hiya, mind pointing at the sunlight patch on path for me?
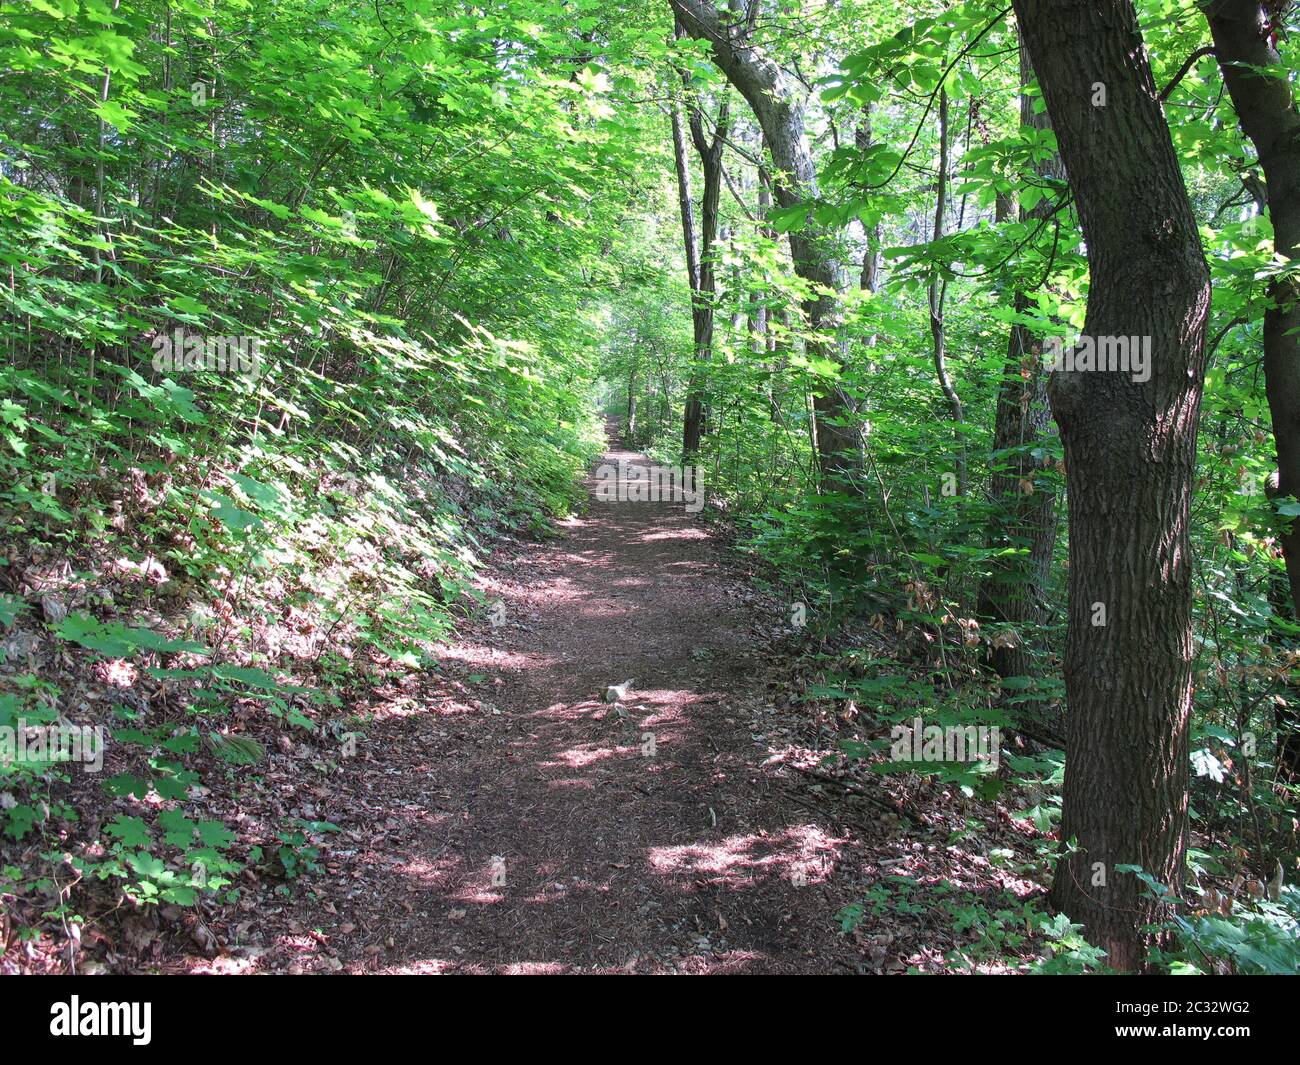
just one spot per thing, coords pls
(803, 854)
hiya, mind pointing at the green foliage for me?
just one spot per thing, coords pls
(408, 259)
(296, 853)
(1015, 936)
(304, 304)
(1262, 939)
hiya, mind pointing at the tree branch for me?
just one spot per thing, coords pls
(1200, 53)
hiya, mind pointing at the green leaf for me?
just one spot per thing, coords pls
(130, 831)
(117, 640)
(233, 517)
(215, 834)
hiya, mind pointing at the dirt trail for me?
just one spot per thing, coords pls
(526, 825)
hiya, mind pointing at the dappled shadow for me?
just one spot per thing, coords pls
(802, 854)
(555, 831)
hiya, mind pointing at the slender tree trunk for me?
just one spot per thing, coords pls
(938, 290)
(701, 251)
(705, 295)
(761, 315)
(1130, 451)
(777, 105)
(869, 279)
(631, 406)
(686, 206)
(1024, 517)
(1244, 48)
(773, 364)
(685, 201)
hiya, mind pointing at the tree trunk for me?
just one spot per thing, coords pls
(1130, 450)
(869, 279)
(1243, 44)
(773, 364)
(701, 313)
(776, 103)
(1024, 518)
(938, 289)
(631, 407)
(685, 201)
(704, 296)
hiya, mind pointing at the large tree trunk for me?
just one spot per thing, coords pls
(1130, 450)
(1243, 45)
(776, 103)
(1024, 518)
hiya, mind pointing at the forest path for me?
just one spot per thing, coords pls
(526, 825)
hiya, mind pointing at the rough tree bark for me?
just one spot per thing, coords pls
(776, 102)
(1025, 516)
(1244, 47)
(1130, 449)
